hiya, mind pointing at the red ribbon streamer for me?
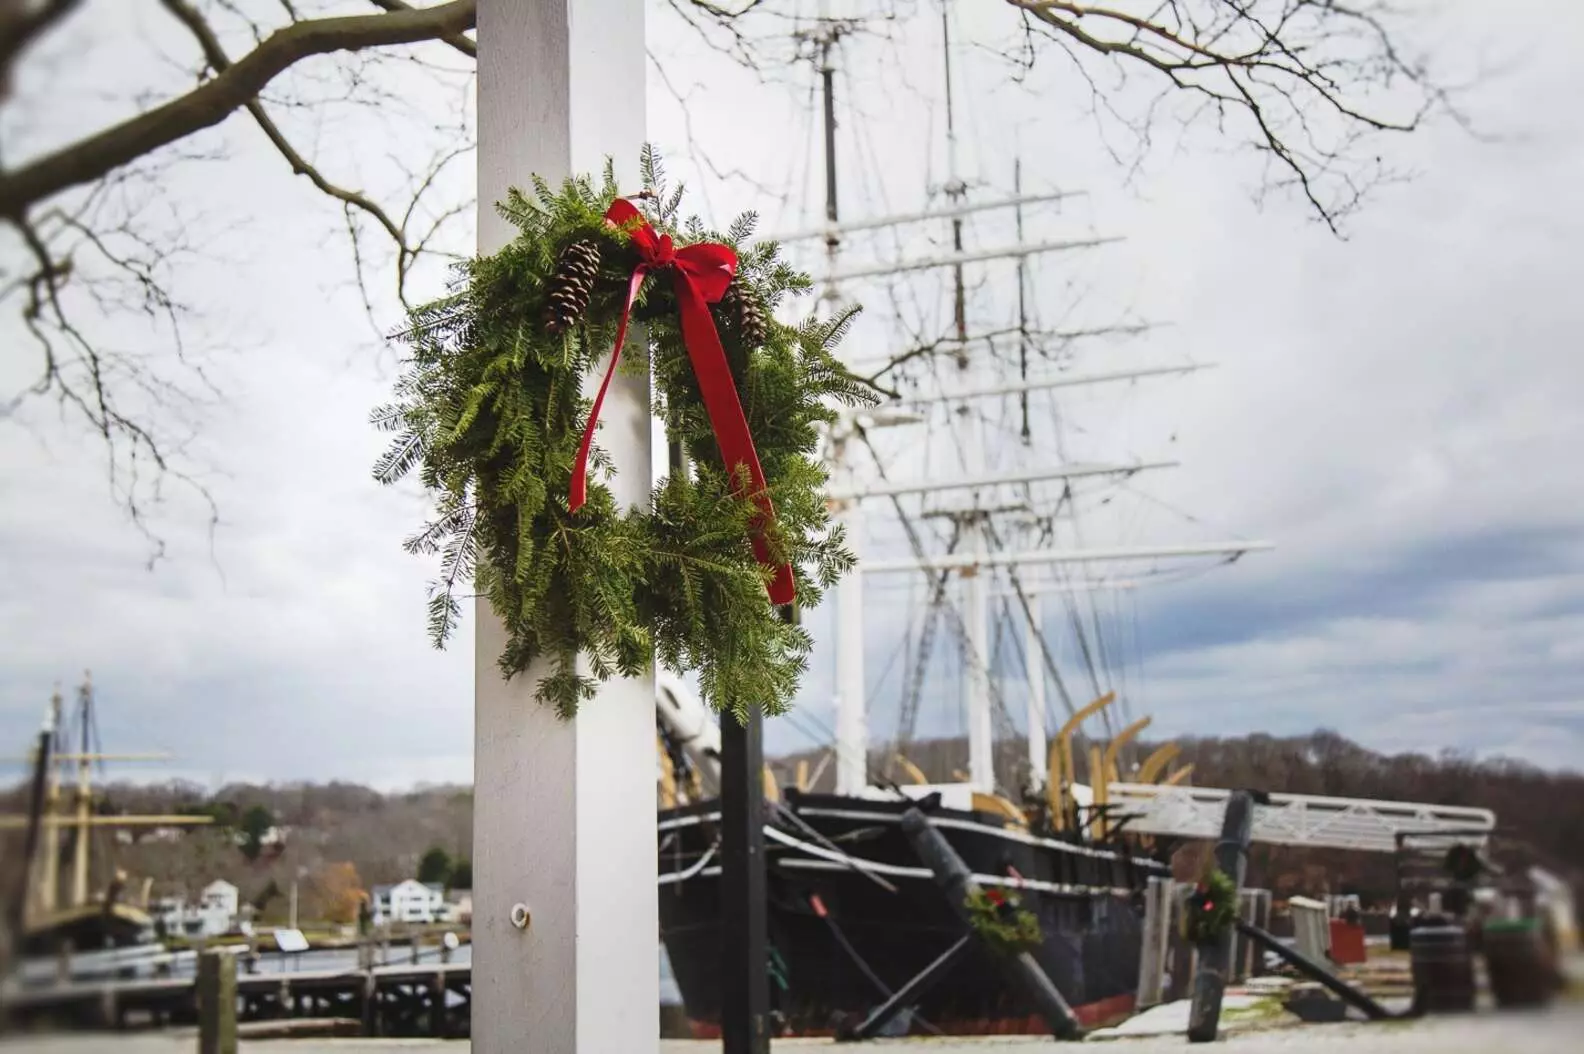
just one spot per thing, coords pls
(699, 274)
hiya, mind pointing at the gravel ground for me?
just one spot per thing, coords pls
(1556, 1031)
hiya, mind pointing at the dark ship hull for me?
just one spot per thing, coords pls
(92, 927)
(841, 941)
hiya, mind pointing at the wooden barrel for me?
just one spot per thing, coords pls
(1520, 966)
(1443, 970)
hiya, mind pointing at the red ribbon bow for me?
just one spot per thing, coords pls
(700, 274)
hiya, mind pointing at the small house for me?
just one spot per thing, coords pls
(214, 914)
(409, 901)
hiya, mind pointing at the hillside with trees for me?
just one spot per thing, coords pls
(336, 839)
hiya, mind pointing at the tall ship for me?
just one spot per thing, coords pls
(72, 898)
(968, 507)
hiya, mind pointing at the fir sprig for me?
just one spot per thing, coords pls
(490, 412)
(1211, 908)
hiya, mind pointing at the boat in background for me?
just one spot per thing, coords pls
(853, 915)
(85, 919)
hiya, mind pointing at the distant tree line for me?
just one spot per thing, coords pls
(1539, 814)
(342, 836)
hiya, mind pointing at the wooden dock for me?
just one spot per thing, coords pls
(424, 999)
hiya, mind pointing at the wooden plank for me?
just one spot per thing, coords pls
(564, 820)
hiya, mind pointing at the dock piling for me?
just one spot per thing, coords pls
(1215, 960)
(217, 1002)
(956, 882)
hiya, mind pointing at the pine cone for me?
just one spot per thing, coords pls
(745, 316)
(571, 285)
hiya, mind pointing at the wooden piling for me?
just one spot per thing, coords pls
(217, 1003)
(370, 1004)
(1215, 960)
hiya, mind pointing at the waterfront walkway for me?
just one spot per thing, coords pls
(1555, 1031)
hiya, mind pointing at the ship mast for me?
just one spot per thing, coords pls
(976, 614)
(15, 924)
(49, 881)
(43, 898)
(84, 792)
(973, 561)
(852, 732)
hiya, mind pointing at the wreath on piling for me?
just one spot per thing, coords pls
(492, 416)
(1210, 910)
(1001, 921)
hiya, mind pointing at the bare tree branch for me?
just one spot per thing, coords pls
(217, 61)
(213, 101)
(21, 23)
(456, 40)
(1306, 75)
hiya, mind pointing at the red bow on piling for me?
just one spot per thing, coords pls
(700, 274)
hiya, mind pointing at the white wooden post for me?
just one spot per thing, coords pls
(564, 815)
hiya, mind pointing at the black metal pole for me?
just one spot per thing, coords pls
(745, 978)
(1297, 959)
(909, 993)
(1215, 960)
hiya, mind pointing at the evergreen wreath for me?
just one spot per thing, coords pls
(490, 412)
(1210, 910)
(1002, 922)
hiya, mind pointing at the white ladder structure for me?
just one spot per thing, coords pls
(1293, 819)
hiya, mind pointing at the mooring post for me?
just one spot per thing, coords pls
(1215, 960)
(217, 1002)
(370, 1004)
(566, 909)
(956, 882)
(745, 980)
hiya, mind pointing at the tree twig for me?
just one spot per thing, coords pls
(210, 103)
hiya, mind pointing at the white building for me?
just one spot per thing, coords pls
(214, 914)
(409, 901)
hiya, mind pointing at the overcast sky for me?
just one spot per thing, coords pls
(1396, 411)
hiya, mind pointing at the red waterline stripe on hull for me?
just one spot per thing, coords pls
(1090, 1015)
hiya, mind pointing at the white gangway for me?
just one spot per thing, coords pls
(1294, 819)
